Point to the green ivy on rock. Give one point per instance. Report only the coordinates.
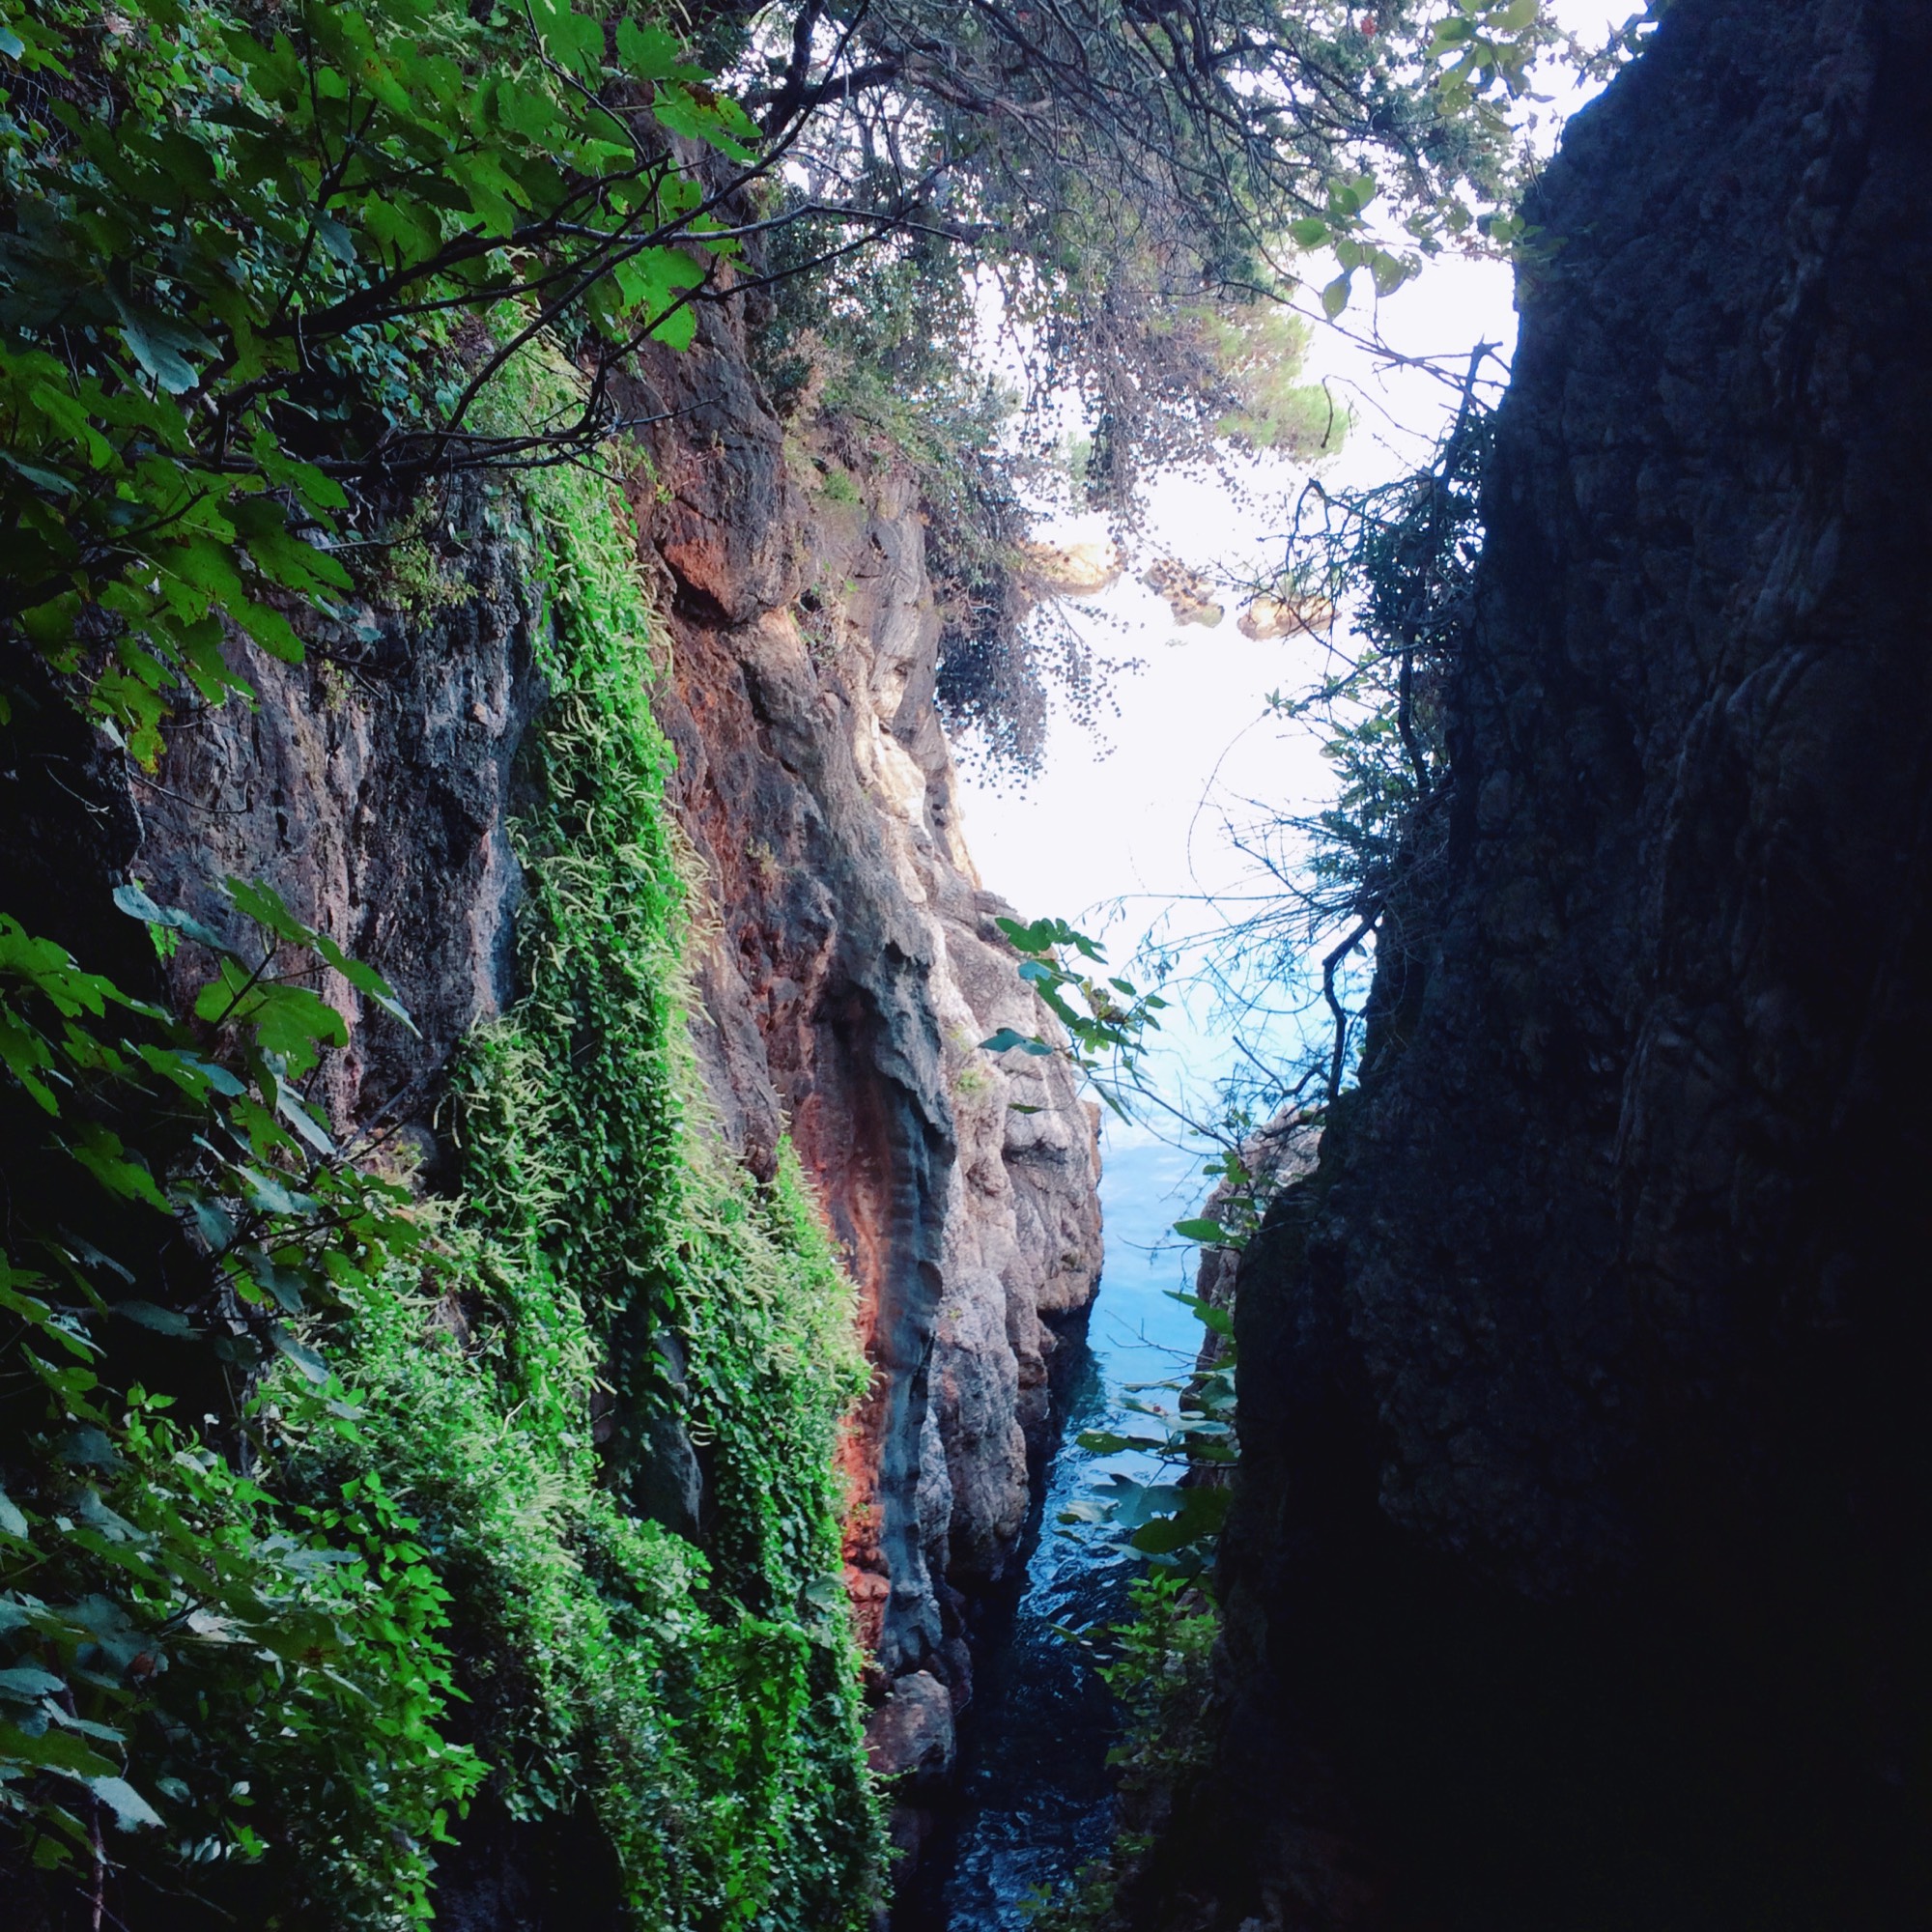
(708, 1704)
(268, 1660)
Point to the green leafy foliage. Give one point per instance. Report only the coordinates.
(1398, 563)
(1170, 1519)
(1481, 43)
(1105, 1028)
(1151, 204)
(239, 243)
(1173, 1518)
(1404, 555)
(1106, 165)
(180, 1630)
(258, 266)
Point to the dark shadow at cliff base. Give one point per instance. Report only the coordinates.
(1451, 1758)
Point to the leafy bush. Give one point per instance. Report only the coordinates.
(194, 1649)
(239, 241)
(306, 1530)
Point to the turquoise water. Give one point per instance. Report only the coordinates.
(1033, 1798)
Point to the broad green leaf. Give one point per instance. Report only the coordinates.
(130, 1809)
(1218, 1320)
(649, 53)
(28, 1683)
(212, 1223)
(677, 328)
(163, 1320)
(134, 902)
(294, 1023)
(117, 1170)
(1390, 271)
(1039, 937)
(1211, 1233)
(287, 1285)
(157, 344)
(693, 109)
(572, 37)
(53, 1751)
(1106, 1442)
(269, 1195)
(1129, 1505)
(299, 1354)
(260, 901)
(1005, 1039)
(364, 979)
(1203, 1512)
(297, 1114)
(272, 631)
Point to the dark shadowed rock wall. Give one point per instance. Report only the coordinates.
(1578, 1572)
(373, 787)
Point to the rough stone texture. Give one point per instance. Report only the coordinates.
(377, 801)
(911, 1729)
(1276, 1155)
(851, 971)
(1578, 1572)
(372, 787)
(844, 956)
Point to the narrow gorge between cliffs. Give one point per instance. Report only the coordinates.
(572, 1326)
(1031, 1800)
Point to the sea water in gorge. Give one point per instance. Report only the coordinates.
(1034, 1797)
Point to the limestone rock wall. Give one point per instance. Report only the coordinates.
(852, 968)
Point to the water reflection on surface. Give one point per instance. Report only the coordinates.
(1034, 1799)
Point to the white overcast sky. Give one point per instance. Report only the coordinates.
(1135, 814)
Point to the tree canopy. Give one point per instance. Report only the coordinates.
(1115, 164)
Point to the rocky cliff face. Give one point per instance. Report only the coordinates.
(852, 968)
(1579, 1567)
(844, 954)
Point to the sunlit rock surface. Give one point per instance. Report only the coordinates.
(850, 968)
